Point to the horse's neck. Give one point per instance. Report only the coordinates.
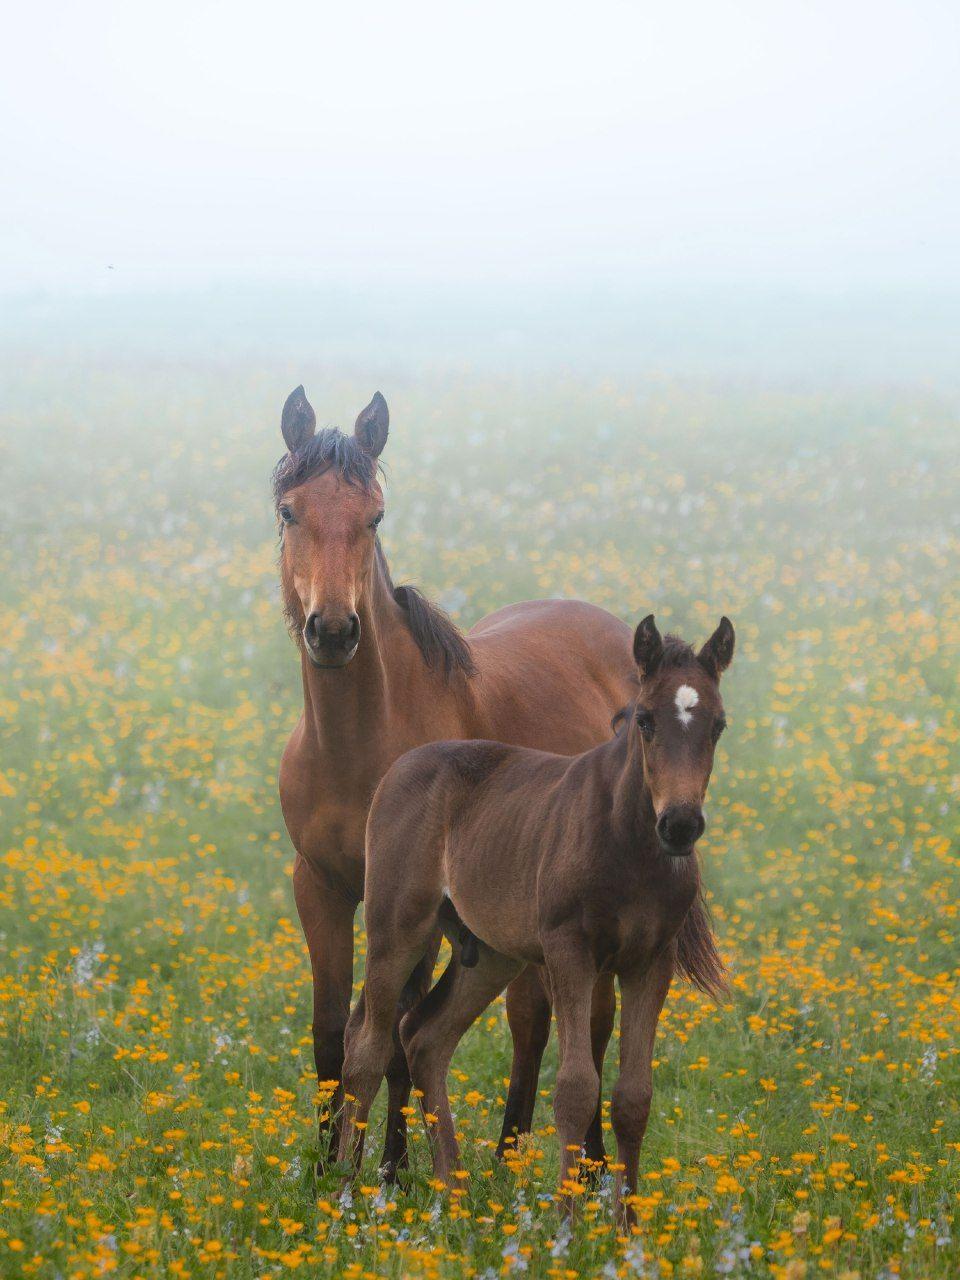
(347, 709)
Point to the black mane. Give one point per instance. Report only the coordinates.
(442, 644)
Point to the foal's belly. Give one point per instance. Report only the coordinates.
(499, 912)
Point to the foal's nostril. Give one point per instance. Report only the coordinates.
(353, 632)
(680, 828)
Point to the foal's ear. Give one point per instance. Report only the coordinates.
(647, 646)
(371, 427)
(298, 422)
(717, 654)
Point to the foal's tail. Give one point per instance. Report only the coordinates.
(697, 954)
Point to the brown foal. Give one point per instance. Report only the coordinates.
(384, 671)
(585, 866)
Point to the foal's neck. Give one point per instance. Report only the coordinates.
(632, 814)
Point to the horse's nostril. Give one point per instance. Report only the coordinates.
(342, 634)
(311, 629)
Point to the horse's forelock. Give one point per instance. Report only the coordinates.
(328, 450)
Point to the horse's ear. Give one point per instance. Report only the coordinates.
(298, 422)
(717, 654)
(647, 646)
(371, 426)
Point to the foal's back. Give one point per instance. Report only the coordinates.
(473, 822)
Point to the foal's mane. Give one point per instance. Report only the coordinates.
(443, 646)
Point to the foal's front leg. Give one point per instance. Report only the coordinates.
(528, 1015)
(572, 976)
(642, 996)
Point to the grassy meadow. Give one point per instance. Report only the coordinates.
(156, 1079)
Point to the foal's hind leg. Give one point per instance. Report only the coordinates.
(432, 1032)
(369, 1040)
(398, 1073)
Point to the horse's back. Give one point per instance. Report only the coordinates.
(551, 615)
(553, 673)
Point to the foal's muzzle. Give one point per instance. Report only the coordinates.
(679, 828)
(331, 642)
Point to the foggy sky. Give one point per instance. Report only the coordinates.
(756, 142)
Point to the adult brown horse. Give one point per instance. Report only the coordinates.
(385, 671)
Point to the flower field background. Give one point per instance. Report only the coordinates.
(156, 1079)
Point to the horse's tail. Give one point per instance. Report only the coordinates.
(697, 955)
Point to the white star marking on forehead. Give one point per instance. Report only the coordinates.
(685, 698)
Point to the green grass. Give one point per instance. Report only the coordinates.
(156, 1088)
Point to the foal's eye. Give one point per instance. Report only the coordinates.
(718, 727)
(286, 515)
(375, 522)
(645, 723)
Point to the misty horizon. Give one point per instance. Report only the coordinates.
(736, 146)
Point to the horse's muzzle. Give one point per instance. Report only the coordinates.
(331, 643)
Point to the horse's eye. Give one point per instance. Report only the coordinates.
(718, 727)
(375, 522)
(286, 515)
(645, 723)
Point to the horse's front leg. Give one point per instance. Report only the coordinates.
(326, 916)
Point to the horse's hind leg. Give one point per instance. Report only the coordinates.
(432, 1032)
(528, 1014)
(398, 1073)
